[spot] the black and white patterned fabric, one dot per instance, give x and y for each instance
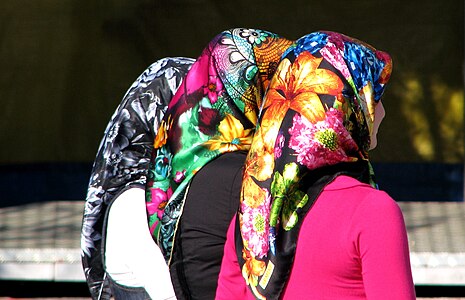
(123, 158)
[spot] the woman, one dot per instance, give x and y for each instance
(311, 225)
(199, 151)
(118, 253)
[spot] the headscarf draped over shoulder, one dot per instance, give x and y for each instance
(214, 111)
(315, 124)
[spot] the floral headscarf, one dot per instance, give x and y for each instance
(214, 111)
(315, 123)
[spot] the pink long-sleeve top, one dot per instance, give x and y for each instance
(352, 245)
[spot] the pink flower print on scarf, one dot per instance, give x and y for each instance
(323, 143)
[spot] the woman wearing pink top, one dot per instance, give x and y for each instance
(311, 223)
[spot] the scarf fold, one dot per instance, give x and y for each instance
(214, 111)
(315, 124)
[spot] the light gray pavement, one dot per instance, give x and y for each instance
(41, 241)
(436, 233)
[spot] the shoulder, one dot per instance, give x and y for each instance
(366, 198)
(348, 185)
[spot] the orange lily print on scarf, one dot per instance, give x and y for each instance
(296, 86)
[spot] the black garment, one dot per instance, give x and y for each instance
(211, 202)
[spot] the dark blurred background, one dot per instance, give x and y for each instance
(65, 65)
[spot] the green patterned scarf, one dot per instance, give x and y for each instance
(214, 111)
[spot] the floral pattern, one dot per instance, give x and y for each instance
(123, 158)
(255, 220)
(157, 204)
(323, 143)
(287, 197)
(214, 88)
(253, 36)
(317, 113)
(252, 269)
(232, 136)
(214, 111)
(297, 86)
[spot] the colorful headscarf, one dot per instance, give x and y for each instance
(214, 111)
(315, 124)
